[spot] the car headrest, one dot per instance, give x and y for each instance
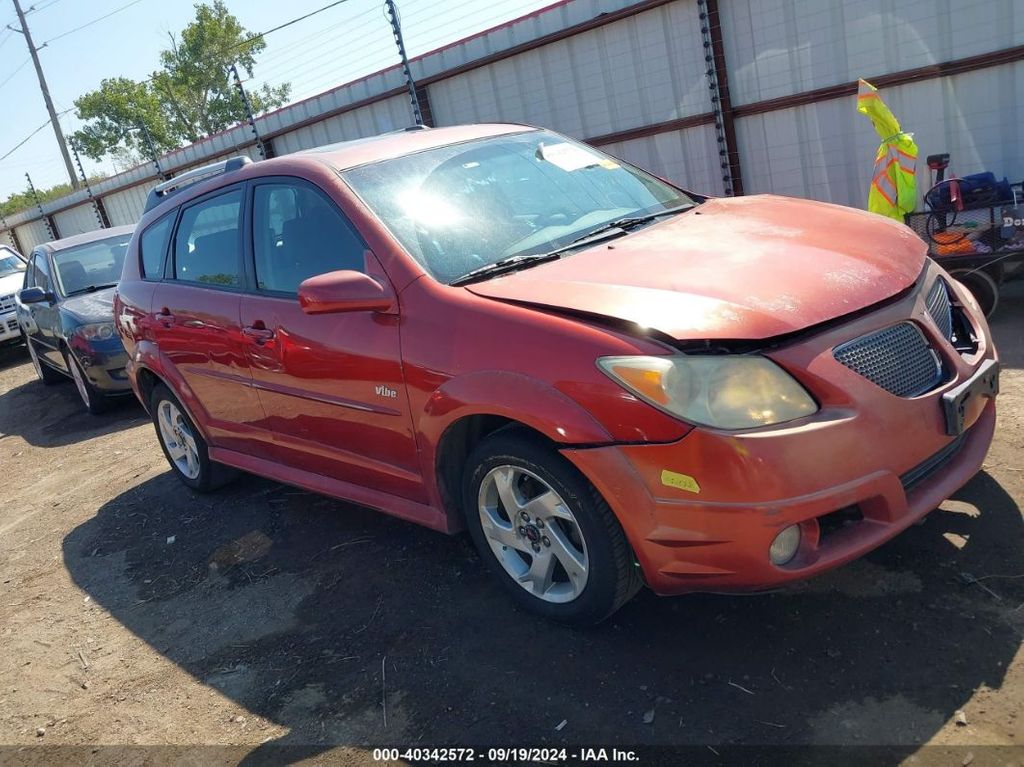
(73, 276)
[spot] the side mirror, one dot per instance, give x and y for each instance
(343, 291)
(36, 296)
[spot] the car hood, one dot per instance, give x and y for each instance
(11, 283)
(91, 307)
(745, 268)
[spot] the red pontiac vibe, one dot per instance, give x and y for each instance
(608, 381)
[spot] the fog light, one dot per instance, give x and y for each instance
(785, 545)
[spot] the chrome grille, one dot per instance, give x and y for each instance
(6, 303)
(897, 358)
(940, 309)
(12, 324)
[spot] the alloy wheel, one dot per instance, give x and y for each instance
(533, 534)
(178, 439)
(79, 379)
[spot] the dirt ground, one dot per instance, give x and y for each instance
(133, 612)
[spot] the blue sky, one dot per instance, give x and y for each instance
(335, 46)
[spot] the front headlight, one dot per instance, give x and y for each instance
(727, 392)
(96, 331)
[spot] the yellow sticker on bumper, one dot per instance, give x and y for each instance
(682, 481)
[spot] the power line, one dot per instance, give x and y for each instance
(24, 141)
(12, 74)
(288, 23)
(286, 52)
(90, 23)
(287, 67)
(43, 7)
(258, 35)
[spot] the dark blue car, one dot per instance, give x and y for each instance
(66, 314)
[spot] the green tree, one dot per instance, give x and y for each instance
(190, 96)
(20, 201)
(115, 113)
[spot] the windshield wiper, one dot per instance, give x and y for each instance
(629, 222)
(92, 289)
(513, 263)
(603, 232)
(509, 264)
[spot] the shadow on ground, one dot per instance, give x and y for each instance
(290, 604)
(53, 416)
(12, 355)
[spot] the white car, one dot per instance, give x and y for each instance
(12, 279)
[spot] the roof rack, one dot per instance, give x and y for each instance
(171, 187)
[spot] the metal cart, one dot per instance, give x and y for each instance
(981, 245)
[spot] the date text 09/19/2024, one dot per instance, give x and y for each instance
(505, 754)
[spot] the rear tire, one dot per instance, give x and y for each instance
(93, 399)
(559, 551)
(183, 445)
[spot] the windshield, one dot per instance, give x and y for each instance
(461, 207)
(92, 266)
(10, 264)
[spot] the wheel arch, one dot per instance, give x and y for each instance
(147, 376)
(468, 409)
(146, 381)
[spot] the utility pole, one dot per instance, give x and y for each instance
(34, 53)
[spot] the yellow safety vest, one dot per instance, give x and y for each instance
(893, 190)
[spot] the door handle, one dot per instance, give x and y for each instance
(194, 324)
(258, 332)
(164, 317)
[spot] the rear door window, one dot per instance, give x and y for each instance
(153, 247)
(207, 244)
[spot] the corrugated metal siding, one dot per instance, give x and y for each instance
(31, 234)
(781, 47)
(525, 30)
(639, 71)
(339, 97)
(126, 207)
(81, 218)
(381, 117)
(688, 158)
(825, 151)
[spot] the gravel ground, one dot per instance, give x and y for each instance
(135, 613)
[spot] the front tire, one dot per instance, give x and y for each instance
(545, 532)
(184, 447)
(44, 372)
(983, 287)
(93, 399)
